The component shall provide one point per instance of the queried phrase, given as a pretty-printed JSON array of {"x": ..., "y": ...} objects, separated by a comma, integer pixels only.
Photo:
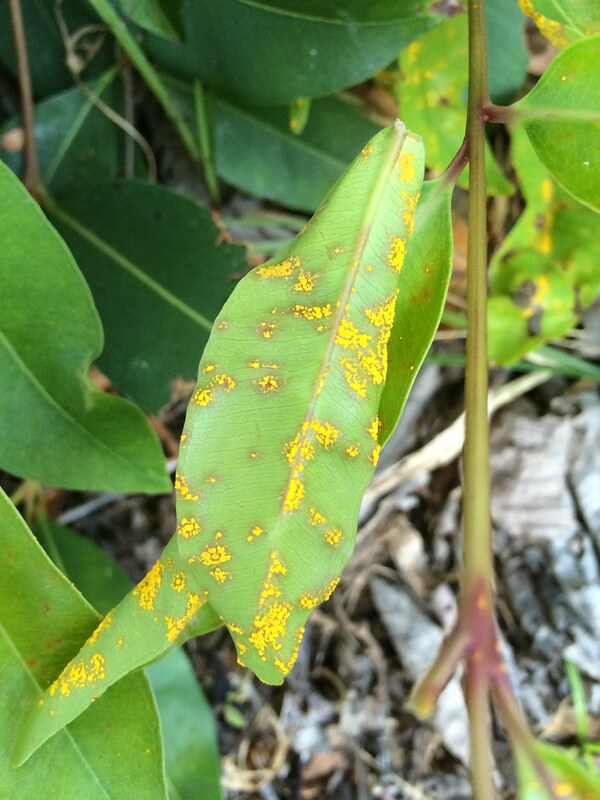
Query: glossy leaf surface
[
  {"x": 256, "y": 151},
  {"x": 545, "y": 271},
  {"x": 306, "y": 49},
  {"x": 433, "y": 98},
  {"x": 54, "y": 426},
  {"x": 561, "y": 115},
  {"x": 293, "y": 375},
  {"x": 43, "y": 621},
  {"x": 159, "y": 275}
]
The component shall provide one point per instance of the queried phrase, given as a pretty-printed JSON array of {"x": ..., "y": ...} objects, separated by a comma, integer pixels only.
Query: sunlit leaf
[
  {"x": 114, "y": 750},
  {"x": 550, "y": 772},
  {"x": 187, "y": 723},
  {"x": 433, "y": 98},
  {"x": 563, "y": 21},
  {"x": 426, "y": 274},
  {"x": 561, "y": 115},
  {"x": 281, "y": 438},
  {"x": 54, "y": 426},
  {"x": 545, "y": 271}
]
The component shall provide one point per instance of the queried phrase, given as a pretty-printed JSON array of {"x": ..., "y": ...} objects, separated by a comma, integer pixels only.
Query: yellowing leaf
[{"x": 281, "y": 438}]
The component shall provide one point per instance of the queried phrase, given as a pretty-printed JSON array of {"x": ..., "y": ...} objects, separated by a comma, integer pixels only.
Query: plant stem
[
  {"x": 204, "y": 128},
  {"x": 152, "y": 78},
  {"x": 477, "y": 572},
  {"x": 31, "y": 169},
  {"x": 476, "y": 481}
]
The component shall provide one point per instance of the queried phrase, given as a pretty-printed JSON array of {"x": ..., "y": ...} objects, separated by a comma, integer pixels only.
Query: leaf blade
[{"x": 54, "y": 426}]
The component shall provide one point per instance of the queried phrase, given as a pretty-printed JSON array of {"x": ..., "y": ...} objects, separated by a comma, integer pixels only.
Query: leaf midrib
[
  {"x": 62, "y": 412},
  {"x": 369, "y": 215},
  {"x": 128, "y": 266}
]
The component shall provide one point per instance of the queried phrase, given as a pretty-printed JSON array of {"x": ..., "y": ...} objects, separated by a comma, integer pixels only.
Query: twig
[{"x": 31, "y": 167}]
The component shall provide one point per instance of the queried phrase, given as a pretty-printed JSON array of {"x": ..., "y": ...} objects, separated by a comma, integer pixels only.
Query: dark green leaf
[
  {"x": 153, "y": 15},
  {"x": 257, "y": 152},
  {"x": 114, "y": 750},
  {"x": 507, "y": 53},
  {"x": 77, "y": 143},
  {"x": 54, "y": 426},
  {"x": 158, "y": 274},
  {"x": 561, "y": 115},
  {"x": 275, "y": 51}
]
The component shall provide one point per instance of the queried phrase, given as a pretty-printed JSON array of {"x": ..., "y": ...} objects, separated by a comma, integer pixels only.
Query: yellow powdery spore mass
[
  {"x": 299, "y": 448},
  {"x": 78, "y": 674},
  {"x": 382, "y": 316},
  {"x": 254, "y": 533},
  {"x": 316, "y": 518},
  {"x": 189, "y": 527},
  {"x": 367, "y": 151},
  {"x": 176, "y": 626},
  {"x": 407, "y": 167},
  {"x": 285, "y": 667},
  {"x": 270, "y": 586},
  {"x": 215, "y": 554},
  {"x": 268, "y": 383},
  {"x": 305, "y": 281},
  {"x": 267, "y": 329},
  {"x": 349, "y": 336},
  {"x": 311, "y": 313},
  {"x": 148, "y": 587},
  {"x": 374, "y": 457},
  {"x": 220, "y": 575},
  {"x": 203, "y": 397},
  {"x": 396, "y": 253},
  {"x": 374, "y": 427},
  {"x": 309, "y": 601},
  {"x": 294, "y": 494},
  {"x": 352, "y": 450},
  {"x": 178, "y": 581},
  {"x": 325, "y": 433},
  {"x": 269, "y": 629},
  {"x": 226, "y": 382},
  {"x": 553, "y": 31},
  {"x": 281, "y": 270},
  {"x": 182, "y": 489},
  {"x": 333, "y": 537},
  {"x": 355, "y": 380},
  {"x": 106, "y": 623}
]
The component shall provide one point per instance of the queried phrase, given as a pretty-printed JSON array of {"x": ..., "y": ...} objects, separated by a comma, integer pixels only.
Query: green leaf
[
  {"x": 425, "y": 280},
  {"x": 158, "y": 274},
  {"x": 188, "y": 727},
  {"x": 563, "y": 21},
  {"x": 274, "y": 51},
  {"x": 296, "y": 171},
  {"x": 54, "y": 426},
  {"x": 545, "y": 270},
  {"x": 43, "y": 622},
  {"x": 561, "y": 115},
  {"x": 507, "y": 53},
  {"x": 152, "y": 15},
  {"x": 77, "y": 143},
  {"x": 567, "y": 777},
  {"x": 47, "y": 56},
  {"x": 281, "y": 436},
  {"x": 433, "y": 98}
]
